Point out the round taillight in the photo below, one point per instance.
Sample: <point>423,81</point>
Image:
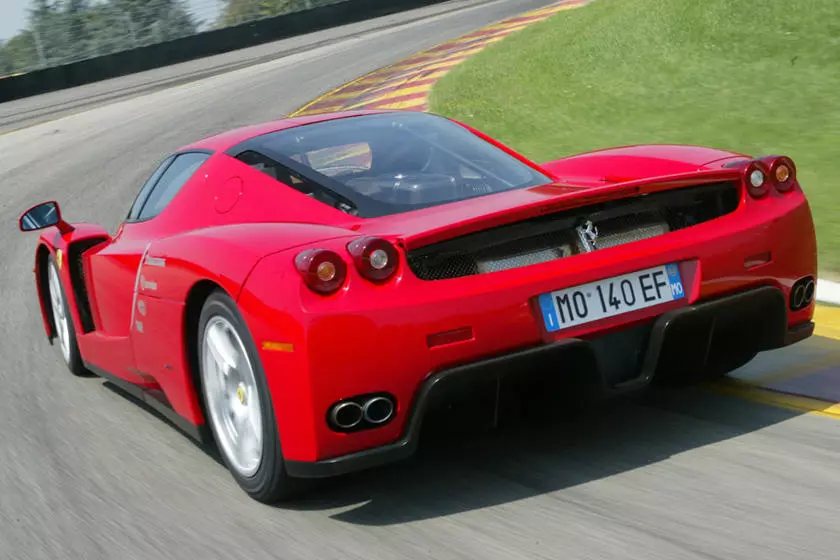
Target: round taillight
<point>783,174</point>
<point>322,270</point>
<point>376,259</point>
<point>756,177</point>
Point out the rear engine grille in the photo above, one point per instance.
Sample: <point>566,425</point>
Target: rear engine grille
<point>561,234</point>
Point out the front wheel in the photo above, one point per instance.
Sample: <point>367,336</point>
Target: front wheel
<point>238,403</point>
<point>63,329</point>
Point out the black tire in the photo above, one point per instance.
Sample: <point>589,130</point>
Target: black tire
<point>270,483</point>
<point>72,358</point>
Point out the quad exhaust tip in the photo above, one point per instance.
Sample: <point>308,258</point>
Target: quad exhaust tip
<point>346,415</point>
<point>361,412</point>
<point>802,293</point>
<point>809,291</point>
<point>798,296</point>
<point>378,410</point>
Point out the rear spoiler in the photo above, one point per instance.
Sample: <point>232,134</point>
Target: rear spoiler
<point>440,223</point>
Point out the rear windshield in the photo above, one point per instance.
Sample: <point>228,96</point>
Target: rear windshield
<point>376,165</point>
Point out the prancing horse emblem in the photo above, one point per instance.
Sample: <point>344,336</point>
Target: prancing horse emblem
<point>588,235</point>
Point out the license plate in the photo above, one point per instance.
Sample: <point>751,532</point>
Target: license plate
<point>610,297</point>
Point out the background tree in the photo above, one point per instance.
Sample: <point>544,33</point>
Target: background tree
<point>49,32</point>
<point>64,31</point>
<point>240,11</point>
<point>78,31</point>
<point>5,61</point>
<point>20,53</point>
<point>111,30</point>
<point>156,20</point>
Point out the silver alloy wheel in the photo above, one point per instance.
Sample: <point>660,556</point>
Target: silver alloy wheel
<point>62,329</point>
<point>232,396</point>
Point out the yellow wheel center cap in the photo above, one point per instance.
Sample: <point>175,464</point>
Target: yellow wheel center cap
<point>240,393</point>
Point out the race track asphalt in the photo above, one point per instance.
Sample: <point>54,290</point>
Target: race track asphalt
<point>85,473</point>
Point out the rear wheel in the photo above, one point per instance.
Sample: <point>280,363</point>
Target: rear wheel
<point>65,332</point>
<point>238,403</point>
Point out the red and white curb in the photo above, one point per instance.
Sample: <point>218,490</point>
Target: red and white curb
<point>407,84</point>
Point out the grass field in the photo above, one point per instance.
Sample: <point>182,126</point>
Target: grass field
<point>758,77</point>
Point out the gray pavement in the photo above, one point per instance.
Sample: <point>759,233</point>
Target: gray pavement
<point>85,473</point>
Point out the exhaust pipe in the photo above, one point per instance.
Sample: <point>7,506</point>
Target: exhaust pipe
<point>378,410</point>
<point>346,415</point>
<point>809,292</point>
<point>798,296</point>
<point>802,294</point>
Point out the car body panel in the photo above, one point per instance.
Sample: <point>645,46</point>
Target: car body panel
<point>631,163</point>
<point>225,140</point>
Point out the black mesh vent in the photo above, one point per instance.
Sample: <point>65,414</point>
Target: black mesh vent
<point>556,235</point>
<point>75,255</point>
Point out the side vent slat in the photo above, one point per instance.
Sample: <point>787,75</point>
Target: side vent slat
<point>76,252</point>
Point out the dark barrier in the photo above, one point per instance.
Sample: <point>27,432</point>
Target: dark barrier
<point>196,46</point>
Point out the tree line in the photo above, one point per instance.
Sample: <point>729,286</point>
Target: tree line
<point>63,31</point>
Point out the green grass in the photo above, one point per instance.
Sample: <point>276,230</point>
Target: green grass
<point>758,77</point>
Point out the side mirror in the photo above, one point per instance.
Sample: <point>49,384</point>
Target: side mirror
<point>43,216</point>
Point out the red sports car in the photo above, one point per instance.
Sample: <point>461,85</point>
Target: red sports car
<point>301,292</point>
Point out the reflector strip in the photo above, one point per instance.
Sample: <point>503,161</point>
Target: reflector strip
<point>278,346</point>
<point>449,337</point>
<point>757,260</point>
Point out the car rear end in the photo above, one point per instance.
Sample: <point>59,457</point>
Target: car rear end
<point>620,284</point>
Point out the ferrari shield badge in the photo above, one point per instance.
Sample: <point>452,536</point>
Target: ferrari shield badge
<point>59,258</point>
<point>588,235</point>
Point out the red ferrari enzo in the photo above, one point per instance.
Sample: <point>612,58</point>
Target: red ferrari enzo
<point>301,292</point>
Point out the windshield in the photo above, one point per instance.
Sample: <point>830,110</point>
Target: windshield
<point>382,164</point>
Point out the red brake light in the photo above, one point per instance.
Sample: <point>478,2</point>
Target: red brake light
<point>376,259</point>
<point>783,174</point>
<point>757,179</point>
<point>322,270</point>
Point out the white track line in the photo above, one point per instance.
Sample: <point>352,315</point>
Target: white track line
<point>828,291</point>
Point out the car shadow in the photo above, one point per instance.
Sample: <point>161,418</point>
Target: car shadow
<point>536,450</point>
<point>455,472</point>
<point>208,449</point>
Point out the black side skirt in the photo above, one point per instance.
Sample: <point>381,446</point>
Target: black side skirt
<point>157,401</point>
